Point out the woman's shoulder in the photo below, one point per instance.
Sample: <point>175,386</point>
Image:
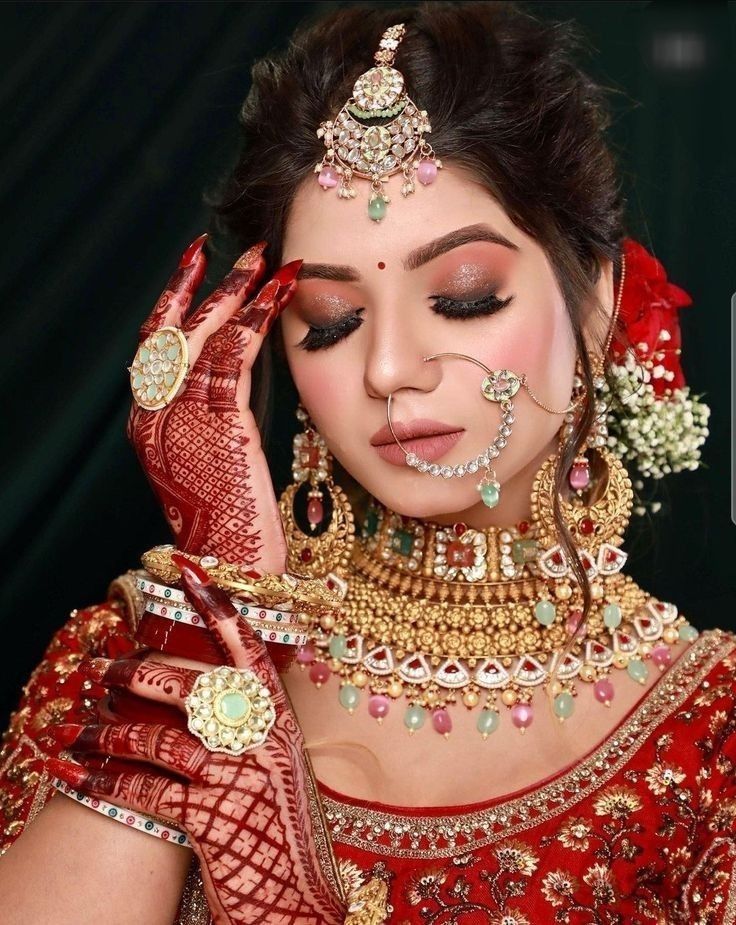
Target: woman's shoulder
<point>56,692</point>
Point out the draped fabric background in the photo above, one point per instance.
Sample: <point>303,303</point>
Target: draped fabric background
<point>115,119</point>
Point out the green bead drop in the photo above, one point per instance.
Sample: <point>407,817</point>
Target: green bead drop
<point>687,633</point>
<point>544,611</point>
<point>151,391</point>
<point>490,494</point>
<point>173,351</point>
<point>564,705</point>
<point>612,616</point>
<point>377,208</point>
<point>137,380</point>
<point>337,646</point>
<point>349,696</point>
<point>637,670</point>
<point>488,722</point>
<point>414,718</point>
<point>143,354</point>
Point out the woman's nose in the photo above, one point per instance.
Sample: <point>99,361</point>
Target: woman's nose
<point>395,356</point>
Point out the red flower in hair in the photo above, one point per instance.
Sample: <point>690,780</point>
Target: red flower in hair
<point>649,306</point>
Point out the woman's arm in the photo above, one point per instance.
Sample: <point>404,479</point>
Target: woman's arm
<point>73,866</point>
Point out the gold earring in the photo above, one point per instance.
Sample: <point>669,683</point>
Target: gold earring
<point>313,501</point>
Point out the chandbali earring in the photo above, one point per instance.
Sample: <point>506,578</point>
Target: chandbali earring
<point>499,386</point>
<point>316,514</point>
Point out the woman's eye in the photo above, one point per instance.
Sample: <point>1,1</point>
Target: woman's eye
<point>455,308</point>
<point>318,338</point>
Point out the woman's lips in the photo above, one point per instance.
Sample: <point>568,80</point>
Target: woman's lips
<point>430,448</point>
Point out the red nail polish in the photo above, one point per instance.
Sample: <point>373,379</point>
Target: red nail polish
<point>71,773</point>
<point>94,668</point>
<point>192,570</point>
<point>288,273</point>
<point>250,259</point>
<point>64,733</point>
<point>193,251</point>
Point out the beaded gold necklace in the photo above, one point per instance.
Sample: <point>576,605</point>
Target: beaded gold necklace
<point>434,615</point>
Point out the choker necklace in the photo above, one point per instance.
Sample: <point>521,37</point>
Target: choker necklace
<point>436,615</point>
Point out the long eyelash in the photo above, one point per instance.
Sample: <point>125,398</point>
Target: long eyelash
<point>453,308</point>
<point>317,338</point>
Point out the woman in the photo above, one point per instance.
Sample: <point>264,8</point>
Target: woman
<point>463,711</point>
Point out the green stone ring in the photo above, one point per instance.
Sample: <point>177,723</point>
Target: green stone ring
<point>159,368</point>
<point>230,710</point>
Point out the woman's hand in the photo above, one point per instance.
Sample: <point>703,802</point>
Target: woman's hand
<point>248,816</point>
<point>202,453</point>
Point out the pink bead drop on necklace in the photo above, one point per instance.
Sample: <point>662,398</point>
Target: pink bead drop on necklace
<point>522,715</point>
<point>319,673</point>
<point>579,476</point>
<point>328,177</point>
<point>603,690</point>
<point>315,511</point>
<point>426,172</point>
<point>305,655</point>
<point>572,622</point>
<point>661,655</point>
<point>442,721</point>
<point>378,706</point>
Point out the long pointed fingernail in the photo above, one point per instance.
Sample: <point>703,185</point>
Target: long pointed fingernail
<point>67,771</point>
<point>286,275</point>
<point>250,258</point>
<point>94,668</point>
<point>193,570</point>
<point>65,734</point>
<point>193,251</point>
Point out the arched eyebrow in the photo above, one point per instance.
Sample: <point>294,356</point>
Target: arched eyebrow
<point>340,273</point>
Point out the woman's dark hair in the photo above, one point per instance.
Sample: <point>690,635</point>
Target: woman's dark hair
<point>507,101</point>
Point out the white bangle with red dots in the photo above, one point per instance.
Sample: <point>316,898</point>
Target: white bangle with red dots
<point>126,816</point>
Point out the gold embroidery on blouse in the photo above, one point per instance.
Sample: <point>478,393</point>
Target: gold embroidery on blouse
<point>427,837</point>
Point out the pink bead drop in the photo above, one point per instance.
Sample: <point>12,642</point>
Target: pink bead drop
<point>522,715</point>
<point>441,721</point>
<point>603,690</point>
<point>426,172</point>
<point>378,706</point>
<point>328,177</point>
<point>572,622</point>
<point>661,655</point>
<point>315,511</point>
<point>305,655</point>
<point>579,477</point>
<point>319,673</point>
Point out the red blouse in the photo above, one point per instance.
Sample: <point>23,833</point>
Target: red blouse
<point>642,830</point>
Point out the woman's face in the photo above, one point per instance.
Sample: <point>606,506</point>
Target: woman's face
<point>445,271</point>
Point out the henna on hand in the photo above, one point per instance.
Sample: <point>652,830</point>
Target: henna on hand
<point>202,452</point>
<point>251,818</point>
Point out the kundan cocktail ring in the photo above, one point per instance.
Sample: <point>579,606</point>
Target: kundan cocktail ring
<point>230,710</point>
<point>159,367</point>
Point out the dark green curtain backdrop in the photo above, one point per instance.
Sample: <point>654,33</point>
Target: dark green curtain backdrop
<point>116,117</point>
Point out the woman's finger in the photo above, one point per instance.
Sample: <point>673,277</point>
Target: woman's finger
<point>221,374</point>
<point>160,681</point>
<point>227,298</point>
<point>171,749</point>
<point>155,794</point>
<point>179,291</point>
<point>237,639</point>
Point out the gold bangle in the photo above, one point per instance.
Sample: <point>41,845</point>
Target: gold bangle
<point>308,594</point>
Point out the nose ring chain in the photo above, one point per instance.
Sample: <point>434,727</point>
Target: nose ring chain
<point>498,386</point>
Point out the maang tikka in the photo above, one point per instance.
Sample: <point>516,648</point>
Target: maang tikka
<point>500,386</point>
<point>378,132</point>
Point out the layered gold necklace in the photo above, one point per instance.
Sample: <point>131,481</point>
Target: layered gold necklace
<point>439,615</point>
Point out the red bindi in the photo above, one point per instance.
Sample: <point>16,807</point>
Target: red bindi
<point>381,265</point>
